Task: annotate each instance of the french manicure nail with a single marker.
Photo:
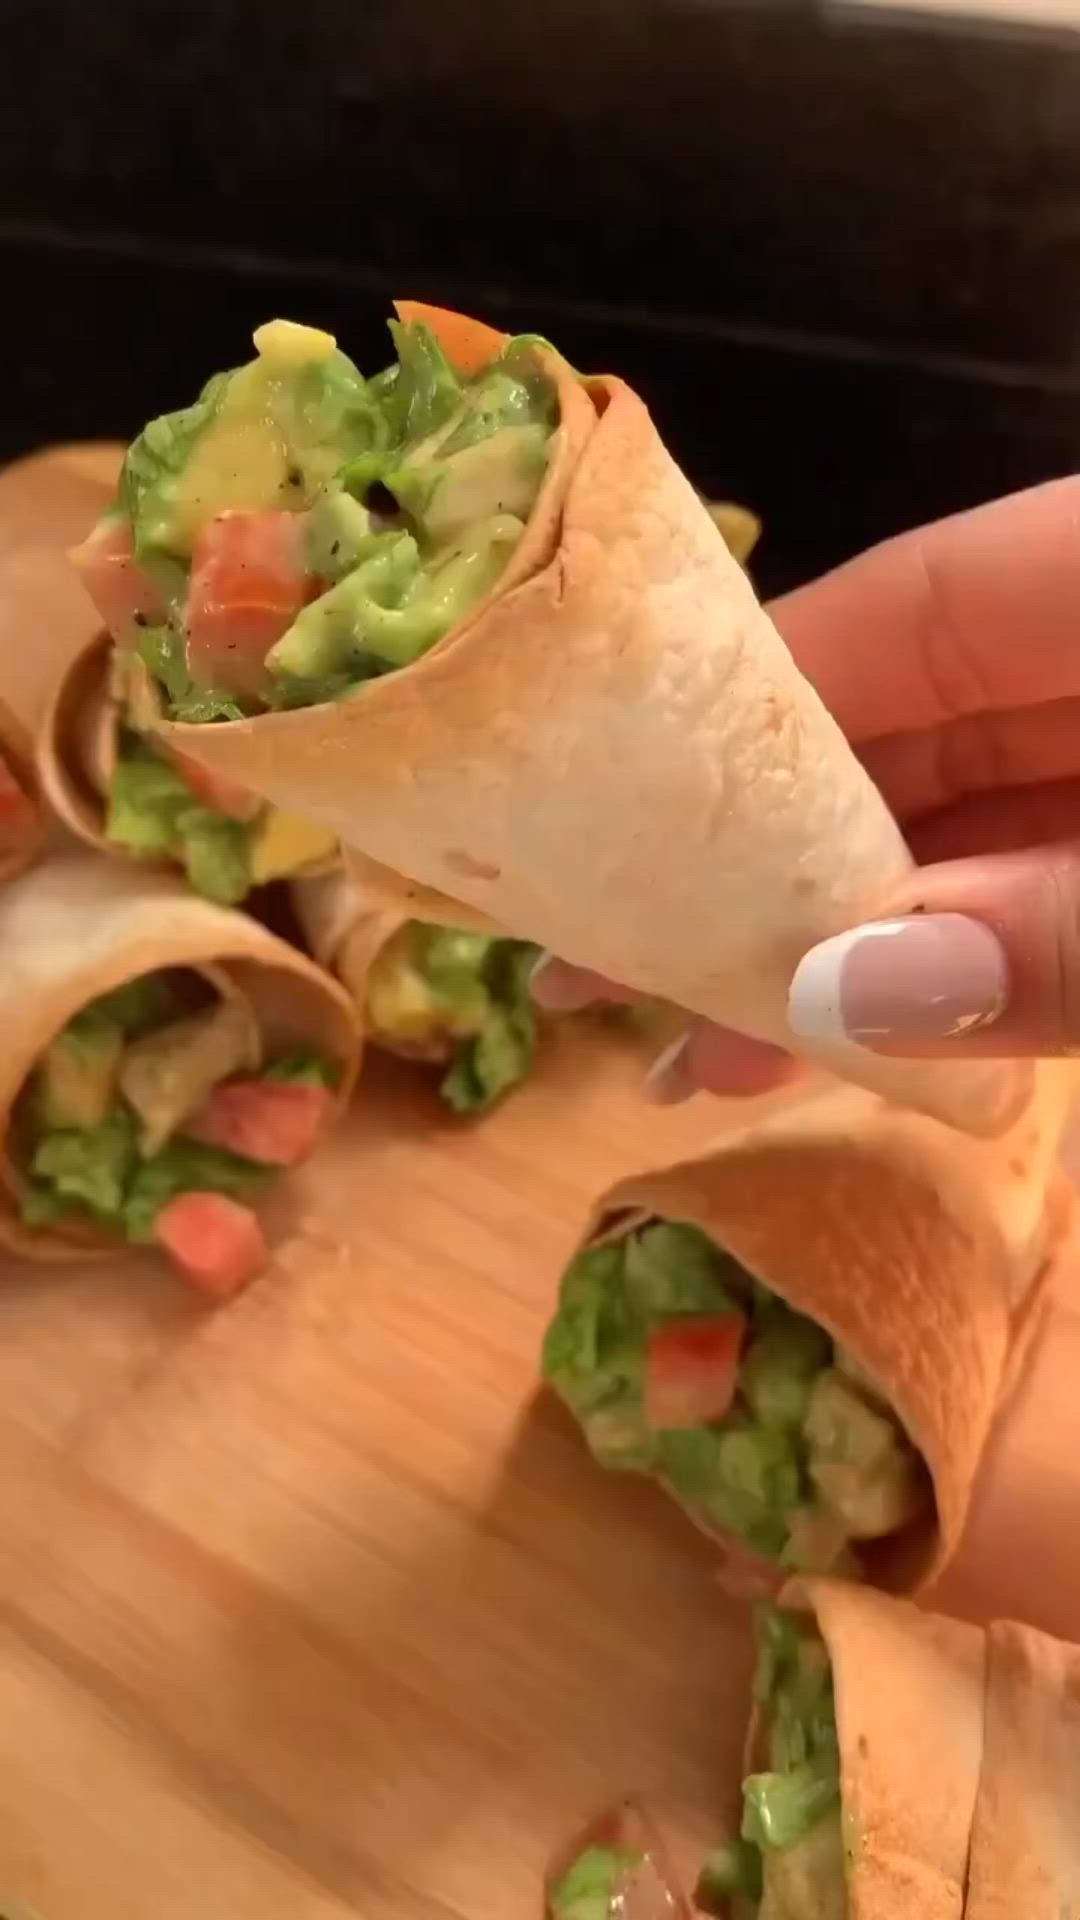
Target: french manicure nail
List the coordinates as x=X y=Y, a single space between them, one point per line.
x=668 y=1080
x=928 y=977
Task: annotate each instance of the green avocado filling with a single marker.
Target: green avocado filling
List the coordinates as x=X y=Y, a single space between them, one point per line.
x=790 y=1861
x=101 y=1124
x=678 y=1363
x=414 y=487
x=442 y=994
x=152 y=812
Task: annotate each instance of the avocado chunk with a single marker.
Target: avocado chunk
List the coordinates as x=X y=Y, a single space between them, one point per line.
x=840 y=1426
x=779 y=1369
x=448 y=495
x=872 y=1502
x=77 y=1075
x=284 y=844
x=168 y=1074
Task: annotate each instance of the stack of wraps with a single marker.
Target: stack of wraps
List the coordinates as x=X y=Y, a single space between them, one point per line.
x=916 y=1254
x=959 y=1761
x=612 y=754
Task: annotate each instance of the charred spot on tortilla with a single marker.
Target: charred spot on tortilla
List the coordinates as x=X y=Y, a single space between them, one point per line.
x=465 y=864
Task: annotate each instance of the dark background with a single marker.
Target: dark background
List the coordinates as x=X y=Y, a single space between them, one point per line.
x=839 y=256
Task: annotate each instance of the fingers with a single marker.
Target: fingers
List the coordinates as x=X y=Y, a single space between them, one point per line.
x=704 y=1059
x=560 y=988
x=977 y=612
x=983 y=957
x=921 y=772
x=1001 y=822
x=709 y=1059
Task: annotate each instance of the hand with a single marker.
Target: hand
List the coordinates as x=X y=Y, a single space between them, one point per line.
x=951 y=658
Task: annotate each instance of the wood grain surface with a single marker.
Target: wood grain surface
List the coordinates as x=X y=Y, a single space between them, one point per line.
x=314 y=1606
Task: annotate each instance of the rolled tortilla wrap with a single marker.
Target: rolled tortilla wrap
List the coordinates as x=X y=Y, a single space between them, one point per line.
x=613 y=755
x=880 y=1228
x=74 y=929
x=1025 y=1847
x=93 y=708
x=440 y=995
x=909 y=1693
x=22 y=810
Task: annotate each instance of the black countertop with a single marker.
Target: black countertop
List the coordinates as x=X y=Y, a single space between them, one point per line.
x=837 y=255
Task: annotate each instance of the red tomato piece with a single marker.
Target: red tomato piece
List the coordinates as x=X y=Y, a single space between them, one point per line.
x=217 y=1244
x=17 y=815
x=126 y=600
x=275 y=1121
x=249 y=580
x=691 y=1369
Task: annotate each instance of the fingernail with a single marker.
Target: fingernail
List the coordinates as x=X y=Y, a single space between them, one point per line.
x=929 y=977
x=668 y=1080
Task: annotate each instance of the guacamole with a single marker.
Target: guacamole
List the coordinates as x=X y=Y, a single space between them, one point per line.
x=300 y=529
x=679 y=1363
x=459 y=999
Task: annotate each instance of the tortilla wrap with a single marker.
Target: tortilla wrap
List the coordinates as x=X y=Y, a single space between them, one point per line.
x=614 y=755
x=77 y=927
x=909 y=1715
x=877 y=1225
x=17 y=752
x=345 y=932
x=77 y=746
x=1025 y=1847
x=48 y=497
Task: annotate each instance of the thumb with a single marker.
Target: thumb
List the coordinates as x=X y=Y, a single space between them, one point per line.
x=975 y=957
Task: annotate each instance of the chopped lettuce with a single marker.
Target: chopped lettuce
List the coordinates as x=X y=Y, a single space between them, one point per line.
x=186 y=1166
x=145 y=802
x=155 y=460
x=136 y=1006
x=91 y=1165
x=303 y=1067
x=425 y=391
x=216 y=853
x=671 y=1267
x=589 y=1890
x=152 y=811
x=162 y=651
x=417 y=484
x=794 y=1687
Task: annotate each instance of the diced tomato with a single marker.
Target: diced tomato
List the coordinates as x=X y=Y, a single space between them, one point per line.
x=217 y=1244
x=126 y=600
x=469 y=345
x=215 y=792
x=17 y=816
x=249 y=580
x=691 y=1369
x=275 y=1121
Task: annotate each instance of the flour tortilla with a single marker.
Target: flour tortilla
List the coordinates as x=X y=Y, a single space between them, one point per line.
x=77 y=927
x=344 y=930
x=77 y=746
x=885 y=1237
x=909 y=1714
x=615 y=756
x=17 y=752
x=1025 y=1849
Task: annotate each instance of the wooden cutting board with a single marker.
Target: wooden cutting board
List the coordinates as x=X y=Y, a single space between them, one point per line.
x=314 y=1606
